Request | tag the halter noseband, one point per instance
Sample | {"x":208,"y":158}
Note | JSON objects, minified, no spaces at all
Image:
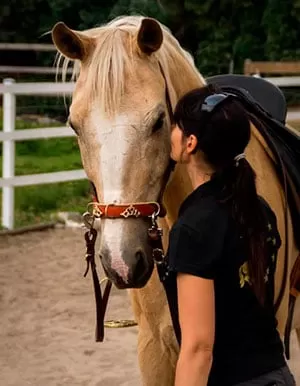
{"x":135,"y":210}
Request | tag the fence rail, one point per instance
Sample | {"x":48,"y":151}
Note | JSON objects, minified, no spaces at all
{"x":46,"y":132}
{"x":42,"y":178}
{"x":27,"y":47}
{"x":285,"y":81}
{"x":283,"y":68}
{"x":31,"y":70}
{"x":9,"y":89}
{"x":9,"y":136}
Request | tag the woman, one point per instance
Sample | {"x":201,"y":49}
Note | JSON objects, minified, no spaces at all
{"x":219,"y":277}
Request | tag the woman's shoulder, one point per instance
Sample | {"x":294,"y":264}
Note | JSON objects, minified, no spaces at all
{"x":203,"y":218}
{"x":196,"y":242}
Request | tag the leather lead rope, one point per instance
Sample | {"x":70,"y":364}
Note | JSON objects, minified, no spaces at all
{"x":101,"y":302}
{"x":294,"y":293}
{"x":155,"y":240}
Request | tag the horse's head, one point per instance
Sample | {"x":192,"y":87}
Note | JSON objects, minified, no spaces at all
{"x":119,"y":113}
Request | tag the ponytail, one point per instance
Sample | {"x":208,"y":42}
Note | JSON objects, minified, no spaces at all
{"x":247,"y":211}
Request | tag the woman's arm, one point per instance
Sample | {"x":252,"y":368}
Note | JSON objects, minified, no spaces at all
{"x":196,"y":305}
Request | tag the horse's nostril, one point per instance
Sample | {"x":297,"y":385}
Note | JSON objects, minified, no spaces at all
{"x":140,"y":262}
{"x":139,"y":255}
{"x":142,"y":269}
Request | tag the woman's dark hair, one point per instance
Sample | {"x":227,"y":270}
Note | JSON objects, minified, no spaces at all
{"x":223,"y":133}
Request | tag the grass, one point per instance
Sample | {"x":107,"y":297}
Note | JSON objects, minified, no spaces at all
{"x":48,"y":155}
{"x":35,"y":204}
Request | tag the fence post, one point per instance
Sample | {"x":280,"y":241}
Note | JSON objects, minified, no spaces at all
{"x":8,"y":170}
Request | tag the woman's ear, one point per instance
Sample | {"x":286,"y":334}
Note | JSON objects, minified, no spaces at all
{"x":192,"y":143}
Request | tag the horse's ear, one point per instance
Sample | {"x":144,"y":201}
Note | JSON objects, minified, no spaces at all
{"x":72,"y":44}
{"x":150,"y":36}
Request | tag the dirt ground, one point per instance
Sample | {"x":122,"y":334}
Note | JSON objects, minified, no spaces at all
{"x":48,"y":317}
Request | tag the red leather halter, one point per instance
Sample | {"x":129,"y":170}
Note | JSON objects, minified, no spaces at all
{"x":134,"y":210}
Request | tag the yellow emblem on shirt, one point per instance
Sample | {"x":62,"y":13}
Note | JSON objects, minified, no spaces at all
{"x":244,"y":274}
{"x":245,"y":277}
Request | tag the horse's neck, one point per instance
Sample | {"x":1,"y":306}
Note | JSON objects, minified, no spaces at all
{"x":178,"y":187}
{"x":183,"y":76}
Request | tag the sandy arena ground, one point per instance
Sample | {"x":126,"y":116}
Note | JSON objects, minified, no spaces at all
{"x":48,"y":318}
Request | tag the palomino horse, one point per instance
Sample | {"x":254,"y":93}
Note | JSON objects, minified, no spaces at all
{"x":120,"y":113}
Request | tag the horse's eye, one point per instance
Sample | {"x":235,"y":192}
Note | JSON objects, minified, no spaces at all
{"x":159,"y":123}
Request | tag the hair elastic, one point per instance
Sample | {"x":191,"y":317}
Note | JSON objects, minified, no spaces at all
{"x":238,"y":157}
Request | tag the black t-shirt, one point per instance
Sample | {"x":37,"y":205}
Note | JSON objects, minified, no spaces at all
{"x":206,"y":242}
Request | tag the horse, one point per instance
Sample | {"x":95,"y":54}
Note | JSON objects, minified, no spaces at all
{"x":129,"y":74}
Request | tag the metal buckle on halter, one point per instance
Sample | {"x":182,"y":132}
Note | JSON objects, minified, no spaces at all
{"x":88,"y":220}
{"x":158,"y":256}
{"x":155,"y":234}
{"x":91,"y":218}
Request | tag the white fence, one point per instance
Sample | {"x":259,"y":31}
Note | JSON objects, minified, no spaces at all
{"x":31,"y":70}
{"x":9,"y":136}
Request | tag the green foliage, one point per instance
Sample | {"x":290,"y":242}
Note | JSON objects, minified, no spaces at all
{"x":281,"y":20}
{"x":20,"y":19}
{"x":220,"y":31}
{"x":214,"y":31}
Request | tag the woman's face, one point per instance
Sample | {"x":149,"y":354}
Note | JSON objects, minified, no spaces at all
{"x":181,"y":147}
{"x":177,"y":140}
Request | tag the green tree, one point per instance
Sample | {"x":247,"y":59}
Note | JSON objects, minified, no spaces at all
{"x":281,"y":21}
{"x":214,"y":31}
{"x":20,"y":20}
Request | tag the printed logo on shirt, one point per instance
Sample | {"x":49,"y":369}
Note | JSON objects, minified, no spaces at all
{"x":244,"y":275}
{"x":244,"y":268}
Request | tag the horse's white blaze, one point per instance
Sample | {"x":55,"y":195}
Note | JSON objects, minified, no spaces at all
{"x":114,"y":137}
{"x":113,"y":237}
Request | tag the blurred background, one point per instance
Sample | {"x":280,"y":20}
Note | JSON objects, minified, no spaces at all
{"x":224,"y":36}
{"x":47,"y":309}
